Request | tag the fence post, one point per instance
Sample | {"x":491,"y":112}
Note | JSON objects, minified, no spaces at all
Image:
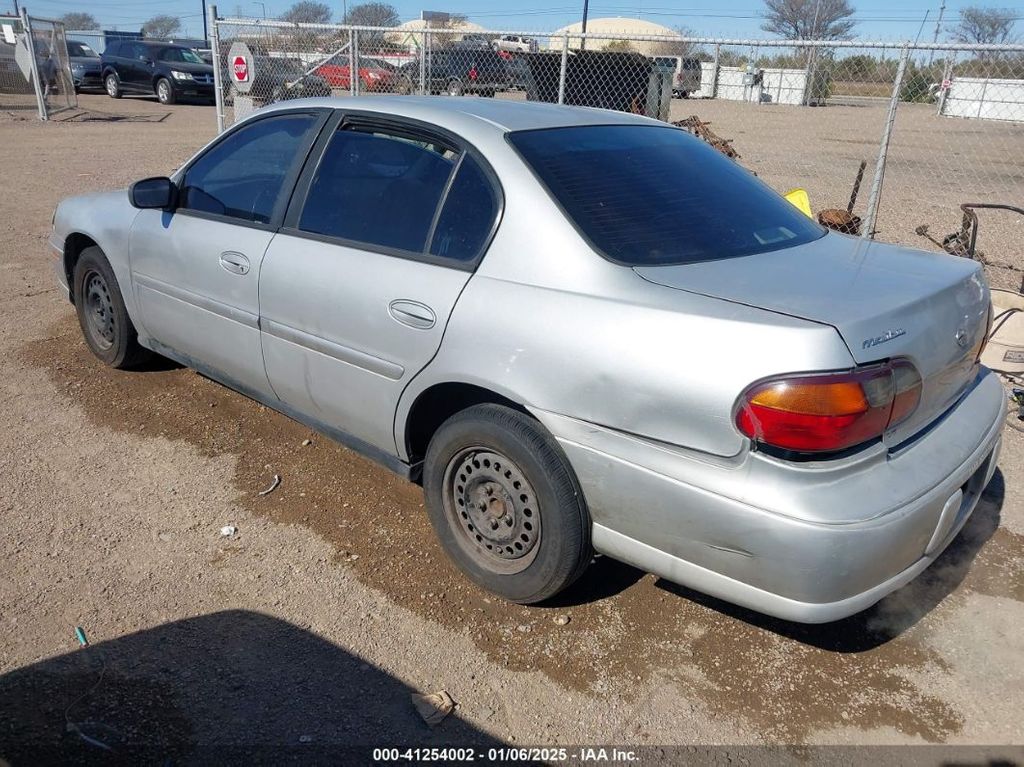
{"x":30,"y":46}
{"x":564,"y":67}
{"x":876,"y":183}
{"x":947,"y":77}
{"x":353,"y":73}
{"x":357,"y":84}
{"x":423,"y":64}
{"x":218,"y":77}
{"x":714,"y":77}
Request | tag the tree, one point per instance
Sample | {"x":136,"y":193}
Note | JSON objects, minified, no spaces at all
{"x":308,"y":12}
{"x":809,"y":19}
{"x":619,"y":46}
{"x":985,"y":25}
{"x":79,"y":21}
{"x":372,"y":15}
{"x":677,"y":47}
{"x":161,"y":26}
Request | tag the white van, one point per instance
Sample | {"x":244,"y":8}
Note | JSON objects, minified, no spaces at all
{"x":686,"y":73}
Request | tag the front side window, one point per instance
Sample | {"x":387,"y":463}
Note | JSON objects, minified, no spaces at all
{"x":378,"y":188}
{"x":243,"y":176}
{"x":181,"y":56}
{"x":649,"y":196}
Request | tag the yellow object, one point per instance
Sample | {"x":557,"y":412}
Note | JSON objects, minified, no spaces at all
{"x":800,"y":200}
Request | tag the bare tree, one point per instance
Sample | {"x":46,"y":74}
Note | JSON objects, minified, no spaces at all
{"x":79,"y":21}
{"x":161,"y":26}
{"x":308,"y":12}
{"x":809,"y":19}
{"x":677,"y":47}
{"x":985,"y":25}
{"x":372,"y":15}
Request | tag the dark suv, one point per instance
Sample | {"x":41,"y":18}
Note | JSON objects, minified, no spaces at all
{"x":456,"y":71}
{"x":172,"y":72}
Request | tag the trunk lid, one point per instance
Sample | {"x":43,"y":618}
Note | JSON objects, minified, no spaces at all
{"x":885,"y":301}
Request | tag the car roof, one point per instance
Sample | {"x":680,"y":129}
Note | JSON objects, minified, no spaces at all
{"x":468,"y":114}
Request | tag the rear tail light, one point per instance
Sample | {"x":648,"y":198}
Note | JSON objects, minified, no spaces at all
{"x":472,"y":73}
{"x":831,"y":411}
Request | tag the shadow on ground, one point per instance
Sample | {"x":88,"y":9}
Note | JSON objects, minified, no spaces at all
{"x":234,"y":685}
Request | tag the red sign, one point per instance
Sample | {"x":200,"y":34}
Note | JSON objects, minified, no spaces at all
{"x":240,"y":69}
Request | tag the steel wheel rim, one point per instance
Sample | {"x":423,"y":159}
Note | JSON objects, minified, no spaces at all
{"x":99,"y":311}
{"x":163,"y":90}
{"x":111,"y":86}
{"x":492,"y":509}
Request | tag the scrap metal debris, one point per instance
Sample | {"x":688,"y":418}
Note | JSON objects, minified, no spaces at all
{"x":433,"y":707}
{"x":273,"y":485}
{"x":844,"y":220}
{"x":694,"y":125}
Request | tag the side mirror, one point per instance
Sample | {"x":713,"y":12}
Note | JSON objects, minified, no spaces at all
{"x":158,"y":192}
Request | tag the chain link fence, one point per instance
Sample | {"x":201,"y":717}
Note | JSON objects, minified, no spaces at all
{"x":886,"y":139}
{"x":35,"y":69}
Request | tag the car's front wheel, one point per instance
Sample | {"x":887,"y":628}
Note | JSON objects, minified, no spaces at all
{"x":455,"y":88}
{"x":164,"y":91}
{"x":113,"y":86}
{"x":505,"y":503}
{"x":108,"y":330}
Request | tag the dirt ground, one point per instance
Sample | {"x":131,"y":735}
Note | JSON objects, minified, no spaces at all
{"x":332,"y":602}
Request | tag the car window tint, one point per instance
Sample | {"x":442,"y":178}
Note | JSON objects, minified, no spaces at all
{"x":651,"y":195}
{"x":242,"y":176}
{"x":467,"y":216}
{"x":377,"y":188}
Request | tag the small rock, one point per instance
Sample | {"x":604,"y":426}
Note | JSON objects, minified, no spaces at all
{"x":523,"y":628}
{"x":307,"y":442}
{"x":433,"y":707}
{"x":562,"y":620}
{"x":227,"y":531}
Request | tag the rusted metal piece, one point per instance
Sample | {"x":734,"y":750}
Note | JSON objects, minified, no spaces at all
{"x":700,"y":129}
{"x":840,"y":220}
{"x":844,"y":220}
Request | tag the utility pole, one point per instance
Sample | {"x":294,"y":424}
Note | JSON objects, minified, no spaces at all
{"x":206,"y":31}
{"x":938,"y":28}
{"x":17,"y":10}
{"x":583,"y":40}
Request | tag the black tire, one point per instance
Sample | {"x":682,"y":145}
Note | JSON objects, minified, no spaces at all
{"x":113,"y":85}
{"x":102,"y":315}
{"x":505,"y":503}
{"x":454,"y":88}
{"x":164,"y":91}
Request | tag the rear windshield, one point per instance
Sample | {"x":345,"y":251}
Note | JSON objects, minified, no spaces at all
{"x":649,"y":196}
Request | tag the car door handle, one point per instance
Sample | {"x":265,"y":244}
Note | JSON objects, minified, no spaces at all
{"x":235,"y":263}
{"x":413,"y":313}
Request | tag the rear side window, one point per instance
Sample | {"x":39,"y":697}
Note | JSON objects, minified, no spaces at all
{"x":113,"y":49}
{"x":378,"y":188}
{"x":243,"y":176}
{"x":468,"y":214}
{"x":647,"y":196}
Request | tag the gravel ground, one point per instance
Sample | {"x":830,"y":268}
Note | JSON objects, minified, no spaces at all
{"x":332,"y":602}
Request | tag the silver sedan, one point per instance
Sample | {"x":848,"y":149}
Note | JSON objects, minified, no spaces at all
{"x":582,"y":331}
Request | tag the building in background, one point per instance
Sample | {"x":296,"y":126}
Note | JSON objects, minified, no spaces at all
{"x":627,"y":28}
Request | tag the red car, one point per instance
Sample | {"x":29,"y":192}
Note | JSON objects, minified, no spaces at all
{"x":372,"y":78}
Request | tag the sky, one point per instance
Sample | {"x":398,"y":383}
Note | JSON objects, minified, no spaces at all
{"x":877,"y":19}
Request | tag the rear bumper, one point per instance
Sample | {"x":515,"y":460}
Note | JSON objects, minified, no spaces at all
{"x":723,"y":527}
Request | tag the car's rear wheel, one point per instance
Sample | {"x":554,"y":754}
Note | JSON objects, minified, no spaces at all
{"x":164,"y":91}
{"x":505,"y":503}
{"x":454,"y":88}
{"x":108,"y":330}
{"x":113,"y":86}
